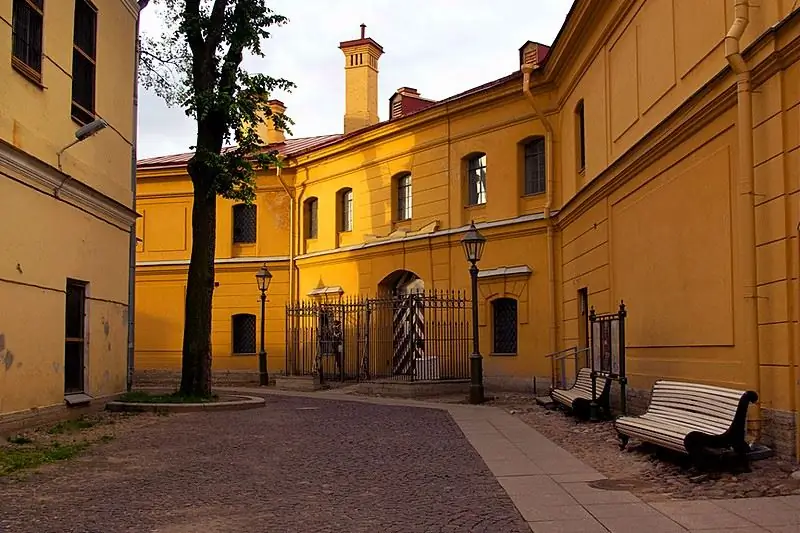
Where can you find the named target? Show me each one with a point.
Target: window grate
(504, 312)
(476, 171)
(26, 35)
(535, 181)
(404, 197)
(244, 334)
(245, 223)
(84, 53)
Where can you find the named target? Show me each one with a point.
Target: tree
(197, 64)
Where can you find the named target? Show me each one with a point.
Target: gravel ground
(650, 473)
(297, 465)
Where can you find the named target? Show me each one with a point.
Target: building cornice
(132, 6)
(222, 261)
(42, 177)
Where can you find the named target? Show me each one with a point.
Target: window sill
(243, 354)
(475, 206)
(28, 73)
(533, 194)
(497, 354)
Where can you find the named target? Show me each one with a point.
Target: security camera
(90, 129)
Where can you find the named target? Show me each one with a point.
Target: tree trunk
(196, 371)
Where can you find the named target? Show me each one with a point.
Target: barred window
(535, 181)
(84, 56)
(404, 196)
(27, 22)
(476, 179)
(311, 218)
(346, 210)
(504, 313)
(244, 334)
(245, 222)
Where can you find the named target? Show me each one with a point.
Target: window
(404, 197)
(311, 218)
(27, 21)
(476, 179)
(535, 180)
(504, 313)
(346, 210)
(581, 131)
(74, 342)
(244, 334)
(84, 55)
(245, 221)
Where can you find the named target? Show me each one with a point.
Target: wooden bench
(578, 397)
(690, 418)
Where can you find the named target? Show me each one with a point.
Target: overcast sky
(439, 47)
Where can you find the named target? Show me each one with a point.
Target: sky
(439, 47)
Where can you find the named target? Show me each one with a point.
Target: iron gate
(422, 335)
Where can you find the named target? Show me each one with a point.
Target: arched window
(245, 222)
(311, 218)
(580, 127)
(476, 179)
(346, 210)
(535, 181)
(244, 334)
(504, 321)
(403, 185)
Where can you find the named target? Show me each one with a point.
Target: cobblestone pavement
(297, 465)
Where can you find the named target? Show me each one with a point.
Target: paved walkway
(327, 462)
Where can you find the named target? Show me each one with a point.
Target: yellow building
(67, 128)
(627, 162)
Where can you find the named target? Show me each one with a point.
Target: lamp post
(263, 277)
(473, 243)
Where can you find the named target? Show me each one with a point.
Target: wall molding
(222, 261)
(46, 179)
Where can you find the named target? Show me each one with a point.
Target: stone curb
(238, 404)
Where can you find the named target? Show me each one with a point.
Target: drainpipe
(299, 234)
(746, 205)
(793, 377)
(132, 251)
(549, 171)
(290, 194)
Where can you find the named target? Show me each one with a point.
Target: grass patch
(31, 455)
(175, 397)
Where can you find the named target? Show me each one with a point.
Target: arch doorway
(405, 290)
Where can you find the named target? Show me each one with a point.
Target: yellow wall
(654, 218)
(70, 224)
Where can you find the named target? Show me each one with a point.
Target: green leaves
(196, 64)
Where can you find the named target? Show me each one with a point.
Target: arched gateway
(404, 291)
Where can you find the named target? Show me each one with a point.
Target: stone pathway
(330, 462)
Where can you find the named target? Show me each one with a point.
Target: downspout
(290, 194)
(746, 204)
(132, 251)
(299, 234)
(793, 378)
(549, 173)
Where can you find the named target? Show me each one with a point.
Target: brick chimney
(266, 130)
(361, 81)
(407, 100)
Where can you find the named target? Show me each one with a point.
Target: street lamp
(263, 277)
(473, 243)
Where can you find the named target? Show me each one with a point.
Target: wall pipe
(549, 173)
(132, 252)
(290, 194)
(746, 205)
(794, 380)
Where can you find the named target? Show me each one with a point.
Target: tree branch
(233, 58)
(216, 24)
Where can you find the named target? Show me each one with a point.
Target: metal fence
(420, 336)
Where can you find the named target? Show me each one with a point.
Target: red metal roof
(287, 149)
